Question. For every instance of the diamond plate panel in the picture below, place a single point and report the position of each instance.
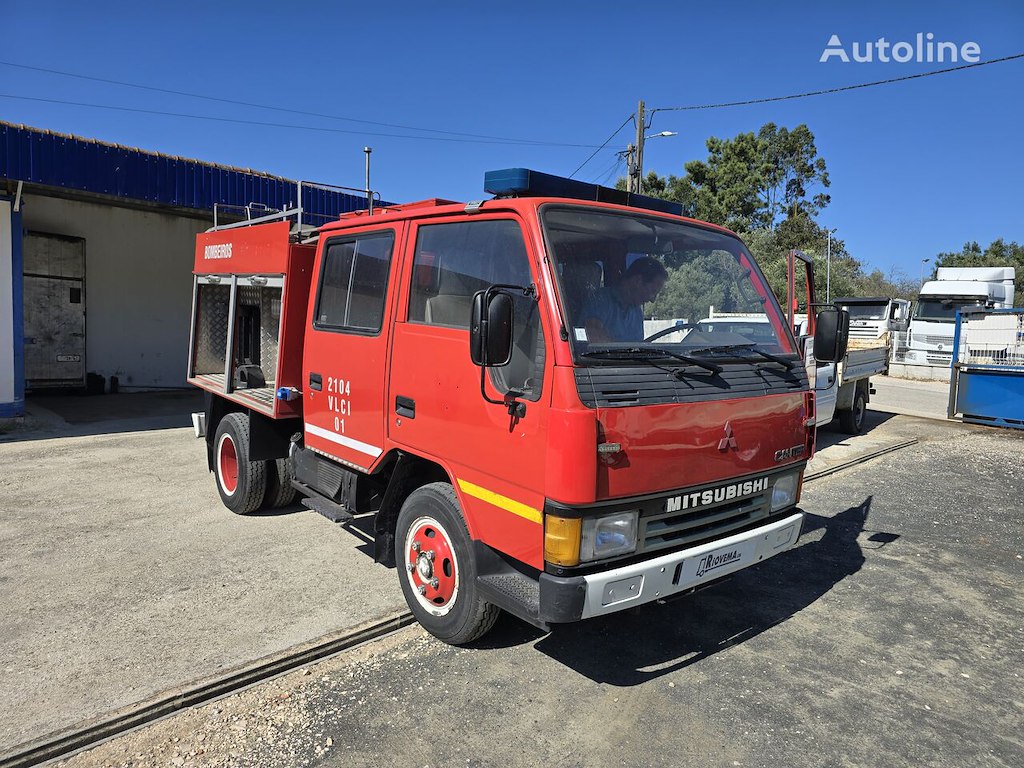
(211, 328)
(270, 324)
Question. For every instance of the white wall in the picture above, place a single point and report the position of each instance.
(138, 286)
(6, 307)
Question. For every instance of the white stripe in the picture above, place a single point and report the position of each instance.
(348, 442)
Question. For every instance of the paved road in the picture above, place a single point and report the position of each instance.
(124, 576)
(910, 397)
(892, 636)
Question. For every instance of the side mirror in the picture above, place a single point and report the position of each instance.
(490, 329)
(831, 335)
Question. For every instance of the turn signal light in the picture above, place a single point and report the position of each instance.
(562, 540)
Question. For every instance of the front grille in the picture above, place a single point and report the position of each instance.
(946, 340)
(619, 386)
(673, 529)
(674, 520)
(863, 333)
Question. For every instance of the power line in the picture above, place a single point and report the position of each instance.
(292, 126)
(606, 179)
(235, 102)
(840, 89)
(624, 124)
(694, 107)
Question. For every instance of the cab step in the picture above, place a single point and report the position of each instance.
(333, 511)
(505, 589)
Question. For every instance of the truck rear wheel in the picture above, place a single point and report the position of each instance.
(280, 492)
(852, 421)
(241, 483)
(436, 567)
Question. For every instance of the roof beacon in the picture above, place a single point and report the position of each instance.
(522, 182)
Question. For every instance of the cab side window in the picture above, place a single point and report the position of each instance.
(354, 283)
(454, 261)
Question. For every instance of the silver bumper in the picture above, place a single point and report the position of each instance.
(632, 585)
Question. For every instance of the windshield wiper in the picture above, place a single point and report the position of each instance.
(787, 364)
(641, 353)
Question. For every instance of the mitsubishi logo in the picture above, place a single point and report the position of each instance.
(728, 441)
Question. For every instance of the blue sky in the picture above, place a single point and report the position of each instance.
(916, 168)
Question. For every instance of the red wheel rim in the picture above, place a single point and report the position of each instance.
(431, 565)
(228, 463)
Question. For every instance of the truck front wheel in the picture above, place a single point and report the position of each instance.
(240, 482)
(436, 567)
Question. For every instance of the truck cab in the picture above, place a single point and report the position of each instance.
(437, 370)
(872, 317)
(933, 322)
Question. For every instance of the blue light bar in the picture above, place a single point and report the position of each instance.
(522, 182)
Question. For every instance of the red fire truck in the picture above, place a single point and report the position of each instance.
(476, 377)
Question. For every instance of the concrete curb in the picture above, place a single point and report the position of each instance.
(916, 414)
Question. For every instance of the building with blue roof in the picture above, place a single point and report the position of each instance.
(96, 254)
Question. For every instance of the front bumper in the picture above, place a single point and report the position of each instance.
(566, 599)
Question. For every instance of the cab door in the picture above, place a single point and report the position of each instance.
(826, 390)
(345, 357)
(497, 461)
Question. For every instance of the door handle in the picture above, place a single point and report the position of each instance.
(316, 381)
(405, 407)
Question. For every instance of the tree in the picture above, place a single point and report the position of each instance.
(790, 168)
(750, 181)
(770, 186)
(999, 253)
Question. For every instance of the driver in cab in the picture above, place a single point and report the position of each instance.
(615, 313)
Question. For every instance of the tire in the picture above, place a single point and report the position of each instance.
(852, 421)
(241, 483)
(440, 588)
(280, 492)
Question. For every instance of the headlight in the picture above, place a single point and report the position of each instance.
(784, 492)
(610, 535)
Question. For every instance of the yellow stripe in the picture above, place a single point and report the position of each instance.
(503, 502)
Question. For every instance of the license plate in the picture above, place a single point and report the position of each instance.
(717, 562)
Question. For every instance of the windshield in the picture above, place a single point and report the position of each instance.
(629, 279)
(942, 310)
(866, 311)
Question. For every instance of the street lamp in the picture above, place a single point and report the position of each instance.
(921, 281)
(635, 158)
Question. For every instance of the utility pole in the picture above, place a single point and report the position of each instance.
(637, 174)
(369, 192)
(630, 164)
(828, 271)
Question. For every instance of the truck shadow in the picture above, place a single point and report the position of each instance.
(644, 643)
(58, 413)
(831, 434)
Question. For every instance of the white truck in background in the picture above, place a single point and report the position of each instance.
(872, 317)
(930, 338)
(841, 390)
